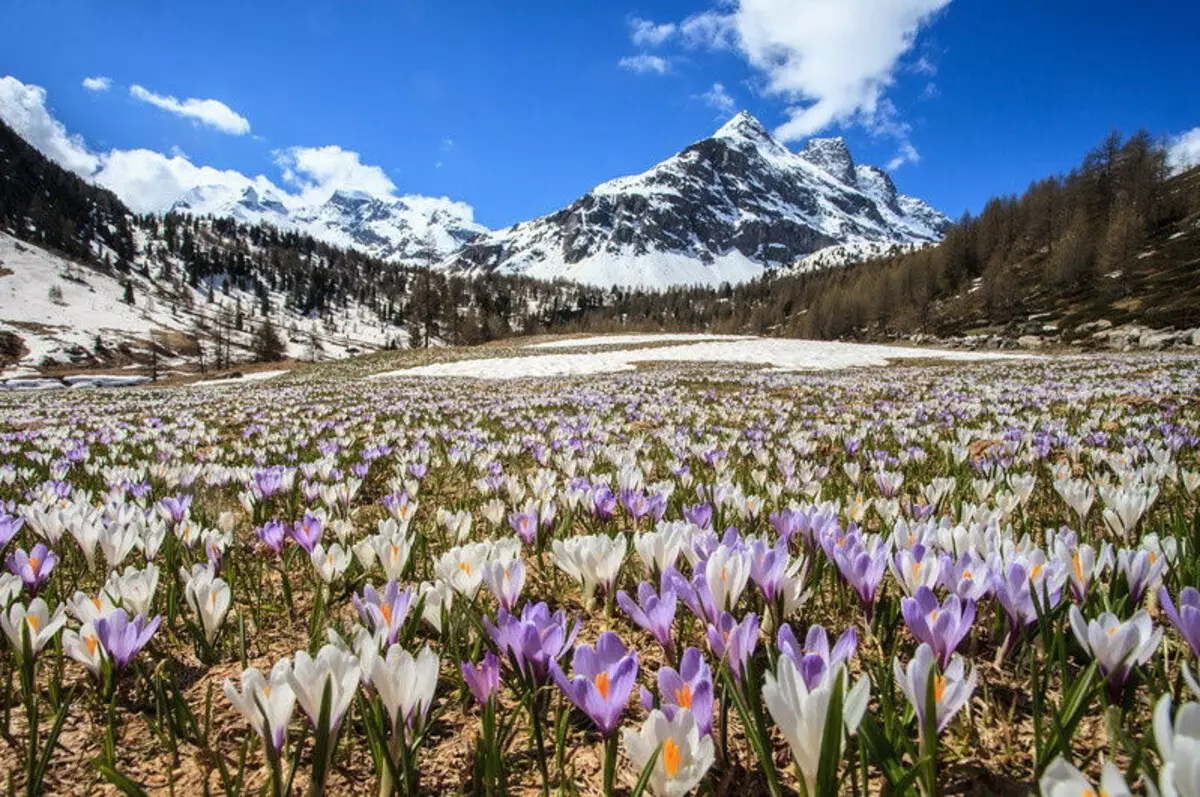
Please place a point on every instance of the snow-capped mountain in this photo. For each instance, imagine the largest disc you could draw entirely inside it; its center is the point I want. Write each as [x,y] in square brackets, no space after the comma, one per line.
[725,209]
[413,230]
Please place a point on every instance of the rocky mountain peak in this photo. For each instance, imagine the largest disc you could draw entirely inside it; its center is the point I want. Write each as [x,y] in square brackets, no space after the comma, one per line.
[832,156]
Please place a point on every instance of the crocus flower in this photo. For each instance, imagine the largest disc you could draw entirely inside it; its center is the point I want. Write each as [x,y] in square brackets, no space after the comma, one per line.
[210,598]
[533,640]
[525,524]
[123,638]
[134,588]
[734,642]
[1179,748]
[1187,618]
[331,563]
[941,626]
[593,560]
[1061,779]
[406,684]
[175,509]
[768,565]
[726,572]
[266,703]
[384,613]
[1116,646]
[863,569]
[33,567]
[690,688]
[273,534]
[800,712]
[84,646]
[9,526]
[684,753]
[307,532]
[951,690]
[815,661]
[1141,569]
[602,680]
[505,580]
[309,676]
[42,625]
[483,679]
[652,612]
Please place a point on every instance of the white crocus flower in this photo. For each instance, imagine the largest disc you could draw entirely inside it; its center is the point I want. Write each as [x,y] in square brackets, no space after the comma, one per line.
[660,549]
[684,755]
[1116,645]
[462,568]
[726,572]
[11,588]
[88,609]
[406,684]
[134,589]
[84,646]
[392,550]
[209,597]
[266,703]
[592,560]
[37,618]
[1179,747]
[309,676]
[800,713]
[331,563]
[437,596]
[1061,779]
[116,542]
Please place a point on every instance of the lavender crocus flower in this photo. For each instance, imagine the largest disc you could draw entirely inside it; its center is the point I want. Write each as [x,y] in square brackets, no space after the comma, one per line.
[863,569]
[691,688]
[952,688]
[699,514]
[602,681]
[175,508]
[384,611]
[269,481]
[273,534]
[1187,618]
[533,640]
[33,567]
[941,626]
[767,567]
[734,642]
[1141,570]
[786,522]
[9,526]
[525,524]
[122,638]
[604,503]
[483,679]
[307,532]
[815,660]
[652,612]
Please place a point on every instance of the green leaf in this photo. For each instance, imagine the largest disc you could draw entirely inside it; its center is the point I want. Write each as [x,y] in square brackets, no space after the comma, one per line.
[831,742]
[121,782]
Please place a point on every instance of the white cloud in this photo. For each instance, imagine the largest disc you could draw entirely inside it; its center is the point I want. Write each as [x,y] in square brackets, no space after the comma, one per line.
[319,171]
[907,154]
[213,113]
[447,144]
[1183,152]
[832,61]
[149,181]
[23,108]
[645,33]
[645,64]
[98,83]
[718,99]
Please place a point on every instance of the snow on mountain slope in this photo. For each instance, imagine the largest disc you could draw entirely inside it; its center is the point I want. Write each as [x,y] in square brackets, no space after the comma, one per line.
[60,310]
[413,230]
[729,208]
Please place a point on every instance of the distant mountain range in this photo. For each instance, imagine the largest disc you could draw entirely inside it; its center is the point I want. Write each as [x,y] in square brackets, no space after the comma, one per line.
[730,208]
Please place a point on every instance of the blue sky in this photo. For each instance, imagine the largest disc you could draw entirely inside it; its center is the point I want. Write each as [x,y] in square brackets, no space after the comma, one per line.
[518,108]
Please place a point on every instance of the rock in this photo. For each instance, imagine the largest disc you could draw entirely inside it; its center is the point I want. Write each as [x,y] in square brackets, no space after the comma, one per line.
[1030,342]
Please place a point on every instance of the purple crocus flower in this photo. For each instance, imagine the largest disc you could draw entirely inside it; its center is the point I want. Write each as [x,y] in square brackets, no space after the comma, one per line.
[1141,569]
[1187,618]
[602,681]
[815,660]
[525,524]
[863,569]
[699,514]
[604,503]
[269,481]
[273,534]
[307,532]
[941,626]
[175,508]
[690,688]
[652,612]
[483,679]
[418,470]
[122,638]
[9,526]
[734,642]
[1014,591]
[767,567]
[33,567]
[533,640]
[786,522]
[695,593]
[386,611]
